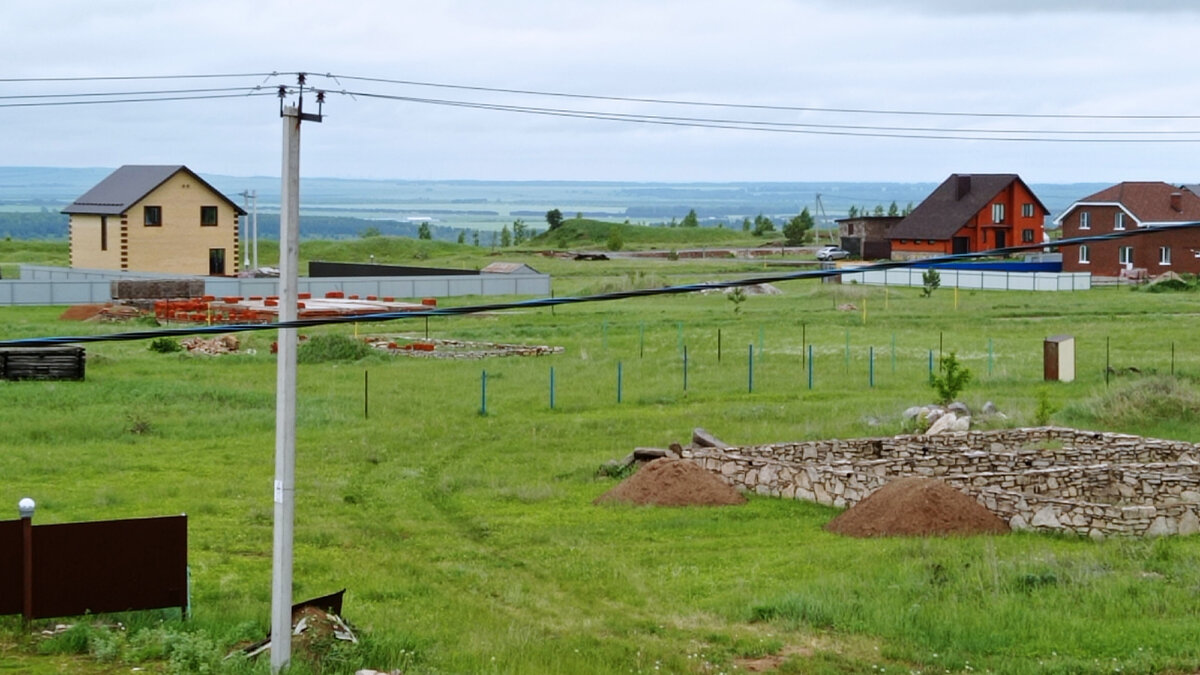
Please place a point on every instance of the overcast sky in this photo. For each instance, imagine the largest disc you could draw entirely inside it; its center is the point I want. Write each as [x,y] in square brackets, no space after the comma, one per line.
[1028,57]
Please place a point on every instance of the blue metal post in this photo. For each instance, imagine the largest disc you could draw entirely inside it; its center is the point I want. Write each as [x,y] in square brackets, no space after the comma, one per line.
[751,369]
[552,387]
[483,394]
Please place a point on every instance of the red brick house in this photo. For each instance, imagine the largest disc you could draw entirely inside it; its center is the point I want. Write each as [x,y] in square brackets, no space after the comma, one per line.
[968,213]
[1127,206]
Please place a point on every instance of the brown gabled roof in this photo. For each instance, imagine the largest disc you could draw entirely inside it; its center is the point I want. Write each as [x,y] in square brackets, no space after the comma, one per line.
[953,204]
[1147,202]
[128,185]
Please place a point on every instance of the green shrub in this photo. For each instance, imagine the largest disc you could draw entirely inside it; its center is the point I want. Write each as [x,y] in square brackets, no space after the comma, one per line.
[332,347]
[164,345]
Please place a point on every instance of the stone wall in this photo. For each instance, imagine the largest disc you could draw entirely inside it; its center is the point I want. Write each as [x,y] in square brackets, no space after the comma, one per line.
[1044,478]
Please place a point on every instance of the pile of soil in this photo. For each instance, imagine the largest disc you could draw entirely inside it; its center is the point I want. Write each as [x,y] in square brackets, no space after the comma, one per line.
[81,312]
[673,482]
[919,506]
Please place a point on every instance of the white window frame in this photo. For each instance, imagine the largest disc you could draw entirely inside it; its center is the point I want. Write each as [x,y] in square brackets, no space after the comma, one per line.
[1125,255]
[997,213]
[1085,220]
[1119,221]
[1085,254]
[1164,255]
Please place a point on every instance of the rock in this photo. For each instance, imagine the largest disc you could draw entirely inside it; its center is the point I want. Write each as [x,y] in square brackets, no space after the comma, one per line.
[1189,496]
[989,408]
[911,413]
[702,438]
[1162,526]
[1189,523]
[942,424]
[1045,517]
[959,408]
[931,415]
[1017,523]
[961,424]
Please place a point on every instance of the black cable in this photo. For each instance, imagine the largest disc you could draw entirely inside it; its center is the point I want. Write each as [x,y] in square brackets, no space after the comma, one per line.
[248,93]
[571,300]
[856,111]
[103,78]
[146,92]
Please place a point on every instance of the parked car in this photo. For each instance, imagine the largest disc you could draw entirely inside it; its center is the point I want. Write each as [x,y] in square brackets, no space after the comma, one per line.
[832,253]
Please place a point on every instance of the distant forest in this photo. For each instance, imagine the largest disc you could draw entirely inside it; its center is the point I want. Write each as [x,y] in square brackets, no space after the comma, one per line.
[47,224]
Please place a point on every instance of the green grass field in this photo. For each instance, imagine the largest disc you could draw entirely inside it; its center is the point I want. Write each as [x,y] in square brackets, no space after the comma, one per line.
[469,543]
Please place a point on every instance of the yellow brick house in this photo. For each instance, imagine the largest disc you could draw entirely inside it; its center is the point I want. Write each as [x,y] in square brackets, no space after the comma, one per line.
[155,218]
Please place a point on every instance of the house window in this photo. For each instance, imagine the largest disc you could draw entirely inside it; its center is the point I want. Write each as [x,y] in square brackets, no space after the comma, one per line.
[1164,255]
[1027,210]
[850,229]
[1119,221]
[1085,254]
[1027,236]
[1085,220]
[208,216]
[152,216]
[103,233]
[1125,255]
[997,213]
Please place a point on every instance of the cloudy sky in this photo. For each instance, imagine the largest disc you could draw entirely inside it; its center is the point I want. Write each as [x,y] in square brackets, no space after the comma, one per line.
[793,90]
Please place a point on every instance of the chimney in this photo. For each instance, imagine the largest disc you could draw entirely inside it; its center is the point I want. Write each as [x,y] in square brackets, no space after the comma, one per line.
[1177,201]
[963,186]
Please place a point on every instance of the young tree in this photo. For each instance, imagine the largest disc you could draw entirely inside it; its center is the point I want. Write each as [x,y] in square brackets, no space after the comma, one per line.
[615,241]
[505,237]
[520,232]
[763,225]
[690,220]
[894,209]
[798,227]
[423,231]
[475,238]
[853,213]
[554,218]
[745,224]
[462,236]
[879,209]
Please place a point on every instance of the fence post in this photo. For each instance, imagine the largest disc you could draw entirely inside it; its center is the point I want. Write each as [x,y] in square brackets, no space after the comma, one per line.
[685,367]
[25,509]
[552,387]
[483,394]
[931,363]
[810,367]
[641,339]
[750,369]
[366,394]
[618,381]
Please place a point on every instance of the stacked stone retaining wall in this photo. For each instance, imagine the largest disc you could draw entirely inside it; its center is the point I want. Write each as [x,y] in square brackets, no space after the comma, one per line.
[1043,478]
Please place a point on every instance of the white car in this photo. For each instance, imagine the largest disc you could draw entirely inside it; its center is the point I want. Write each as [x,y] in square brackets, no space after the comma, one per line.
[832,253]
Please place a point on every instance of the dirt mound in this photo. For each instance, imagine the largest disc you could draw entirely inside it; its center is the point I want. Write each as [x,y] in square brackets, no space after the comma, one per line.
[81,312]
[916,506]
[673,482]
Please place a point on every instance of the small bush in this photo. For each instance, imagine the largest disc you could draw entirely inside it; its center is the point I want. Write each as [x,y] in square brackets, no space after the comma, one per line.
[331,347]
[1041,416]
[930,281]
[164,345]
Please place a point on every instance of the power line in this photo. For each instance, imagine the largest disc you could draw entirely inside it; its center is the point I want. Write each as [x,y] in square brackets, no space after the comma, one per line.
[103,78]
[602,297]
[920,133]
[148,99]
[749,106]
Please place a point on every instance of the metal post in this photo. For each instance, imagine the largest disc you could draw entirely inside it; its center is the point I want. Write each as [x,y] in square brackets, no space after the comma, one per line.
[810,368]
[871,366]
[25,509]
[285,393]
[685,365]
[718,345]
[641,339]
[750,369]
[618,381]
[366,394]
[483,394]
[552,387]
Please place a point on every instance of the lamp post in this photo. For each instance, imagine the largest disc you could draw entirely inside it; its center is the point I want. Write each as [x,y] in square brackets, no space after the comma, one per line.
[25,509]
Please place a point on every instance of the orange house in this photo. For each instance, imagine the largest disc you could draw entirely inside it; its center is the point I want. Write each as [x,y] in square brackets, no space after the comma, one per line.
[969,213]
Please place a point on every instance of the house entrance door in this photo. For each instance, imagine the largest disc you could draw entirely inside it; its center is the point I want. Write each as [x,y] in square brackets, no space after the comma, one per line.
[960,245]
[1001,239]
[216,261]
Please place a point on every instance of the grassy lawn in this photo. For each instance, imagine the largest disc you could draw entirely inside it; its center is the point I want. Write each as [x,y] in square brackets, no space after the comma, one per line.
[469,543]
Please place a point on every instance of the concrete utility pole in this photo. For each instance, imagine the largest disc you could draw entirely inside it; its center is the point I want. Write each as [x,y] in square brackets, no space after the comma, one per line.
[285,388]
[250,230]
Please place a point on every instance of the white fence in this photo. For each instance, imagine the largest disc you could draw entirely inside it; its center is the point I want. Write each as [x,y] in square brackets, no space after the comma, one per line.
[987,280]
[40,285]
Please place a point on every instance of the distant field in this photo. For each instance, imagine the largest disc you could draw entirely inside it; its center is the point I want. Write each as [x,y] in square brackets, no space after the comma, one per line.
[469,543]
